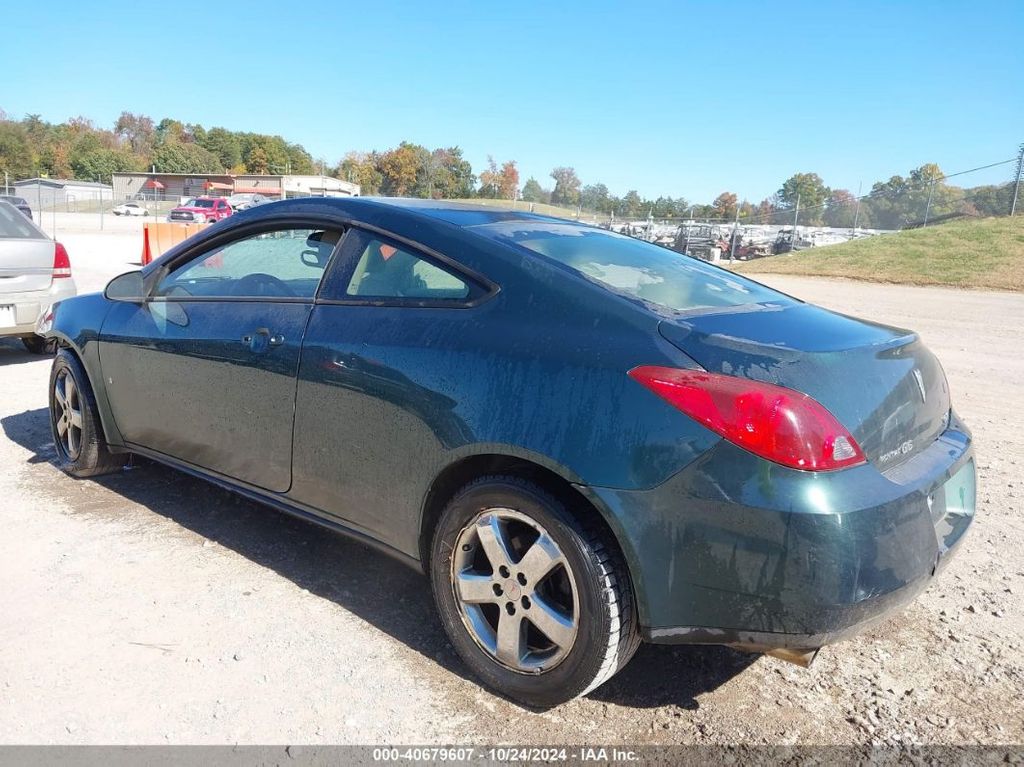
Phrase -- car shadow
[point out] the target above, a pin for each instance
(13, 352)
(380, 590)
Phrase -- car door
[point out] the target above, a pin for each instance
(372, 416)
(204, 369)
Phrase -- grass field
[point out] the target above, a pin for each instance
(985, 253)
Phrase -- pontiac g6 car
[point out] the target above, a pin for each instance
(584, 439)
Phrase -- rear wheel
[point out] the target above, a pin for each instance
(537, 604)
(74, 421)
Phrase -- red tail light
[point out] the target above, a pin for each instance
(61, 262)
(779, 424)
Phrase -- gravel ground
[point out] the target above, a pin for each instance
(150, 607)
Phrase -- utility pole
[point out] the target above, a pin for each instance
(796, 215)
(1016, 185)
(6, 187)
(735, 231)
(928, 207)
(856, 214)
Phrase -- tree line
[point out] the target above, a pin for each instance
(79, 149)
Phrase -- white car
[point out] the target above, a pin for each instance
(245, 201)
(130, 209)
(35, 273)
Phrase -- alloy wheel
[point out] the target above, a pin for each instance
(515, 590)
(67, 413)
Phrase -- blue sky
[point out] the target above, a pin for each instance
(679, 99)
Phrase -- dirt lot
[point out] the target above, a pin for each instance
(150, 607)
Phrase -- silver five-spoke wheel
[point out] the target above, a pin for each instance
(516, 591)
(67, 413)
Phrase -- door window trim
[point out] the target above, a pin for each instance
(350, 249)
(208, 247)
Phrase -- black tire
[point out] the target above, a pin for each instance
(39, 345)
(87, 455)
(606, 633)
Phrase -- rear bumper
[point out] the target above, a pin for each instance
(30, 306)
(735, 550)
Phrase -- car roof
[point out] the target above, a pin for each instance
(459, 214)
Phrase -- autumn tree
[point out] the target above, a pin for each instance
(508, 181)
(725, 206)
(490, 179)
(399, 169)
(136, 130)
(567, 186)
(841, 209)
(361, 168)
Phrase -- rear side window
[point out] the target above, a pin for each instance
(15, 225)
(633, 267)
(387, 271)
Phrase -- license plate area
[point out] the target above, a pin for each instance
(7, 316)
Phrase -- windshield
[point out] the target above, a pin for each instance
(633, 267)
(199, 204)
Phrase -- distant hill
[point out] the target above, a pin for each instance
(977, 253)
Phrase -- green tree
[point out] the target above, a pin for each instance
(185, 158)
(99, 164)
(632, 205)
(225, 145)
(594, 197)
(810, 190)
(532, 191)
(15, 151)
(567, 186)
(452, 174)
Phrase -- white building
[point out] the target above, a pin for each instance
(63, 194)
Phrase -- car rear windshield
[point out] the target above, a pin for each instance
(14, 224)
(633, 267)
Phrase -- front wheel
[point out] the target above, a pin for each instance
(538, 604)
(78, 439)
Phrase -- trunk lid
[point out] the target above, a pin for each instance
(26, 253)
(880, 382)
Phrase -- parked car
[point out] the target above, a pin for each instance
(585, 440)
(18, 202)
(35, 273)
(130, 209)
(201, 210)
(245, 201)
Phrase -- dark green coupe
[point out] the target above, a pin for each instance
(584, 439)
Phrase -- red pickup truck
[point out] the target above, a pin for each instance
(201, 210)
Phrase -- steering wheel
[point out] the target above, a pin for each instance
(254, 284)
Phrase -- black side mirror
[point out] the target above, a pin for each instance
(127, 287)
